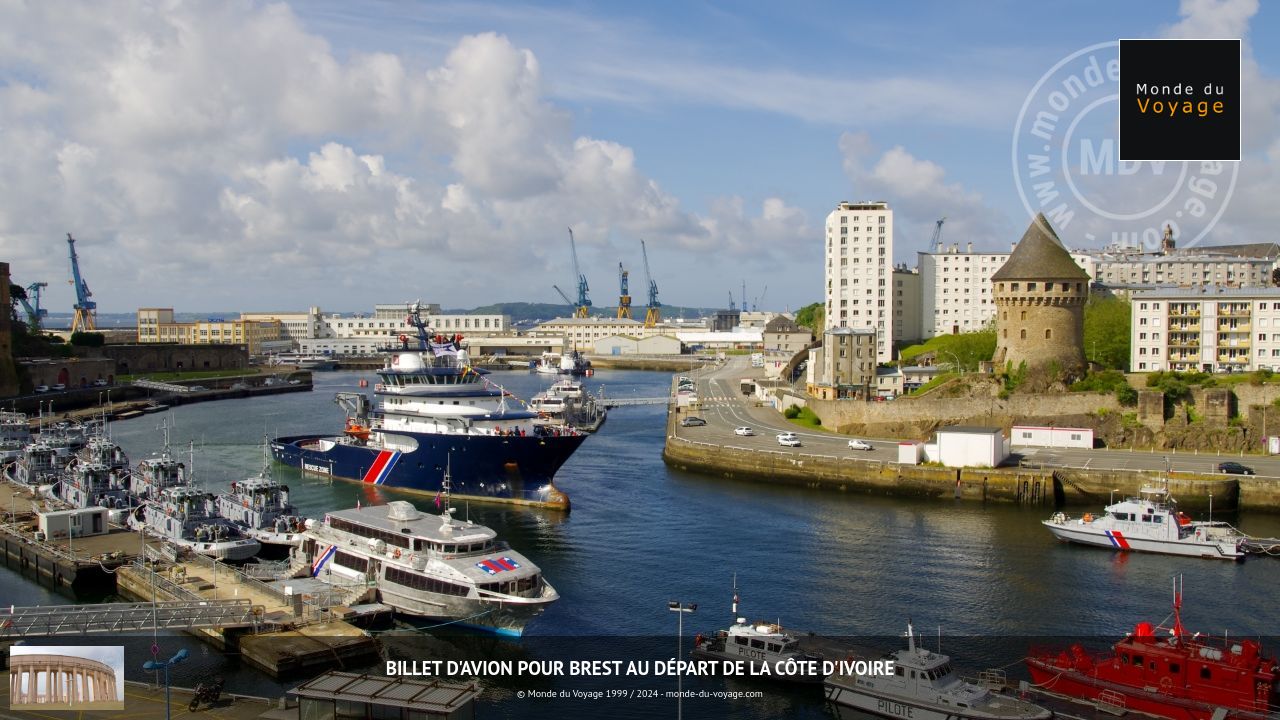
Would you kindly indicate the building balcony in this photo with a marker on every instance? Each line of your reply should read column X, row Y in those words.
column 1237, row 328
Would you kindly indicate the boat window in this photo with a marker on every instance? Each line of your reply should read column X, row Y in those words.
column 1152, row 665
column 1137, row 660
column 757, row 644
column 1158, row 519
column 1175, row 667
column 1146, row 518
column 1120, row 515
column 740, row 640
column 774, row 647
column 422, row 582
column 1205, row 672
column 358, row 564
column 897, row 670
column 913, row 674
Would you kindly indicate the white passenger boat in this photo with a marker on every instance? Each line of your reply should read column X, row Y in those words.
column 925, row 686
column 1150, row 522
column 430, row 566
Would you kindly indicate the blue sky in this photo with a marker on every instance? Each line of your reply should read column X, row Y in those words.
column 251, row 156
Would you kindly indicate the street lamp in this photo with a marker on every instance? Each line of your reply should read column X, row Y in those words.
column 955, row 357
column 165, row 665
column 680, row 609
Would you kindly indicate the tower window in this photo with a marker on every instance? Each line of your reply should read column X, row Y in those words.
column 1024, row 334
column 1048, row 334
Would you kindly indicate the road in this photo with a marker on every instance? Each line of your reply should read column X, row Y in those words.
column 724, row 407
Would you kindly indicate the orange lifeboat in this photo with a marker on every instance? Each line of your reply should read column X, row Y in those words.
column 356, row 430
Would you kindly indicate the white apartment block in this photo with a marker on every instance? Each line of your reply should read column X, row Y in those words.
column 859, row 269
column 1211, row 329
column 955, row 288
column 1184, row 270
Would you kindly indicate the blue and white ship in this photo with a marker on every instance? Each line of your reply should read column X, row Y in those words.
column 430, row 406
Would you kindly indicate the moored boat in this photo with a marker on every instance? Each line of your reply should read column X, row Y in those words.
column 260, row 508
column 1150, row 522
column 429, row 566
column 1166, row 672
column 430, row 404
column 180, row 515
column 925, row 686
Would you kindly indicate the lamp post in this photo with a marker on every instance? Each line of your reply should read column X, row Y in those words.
column 955, row 357
column 165, row 665
column 680, row 609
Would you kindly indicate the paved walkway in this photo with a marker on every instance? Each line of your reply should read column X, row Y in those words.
column 143, row 702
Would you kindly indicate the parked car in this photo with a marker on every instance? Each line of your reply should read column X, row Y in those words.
column 856, row 444
column 59, row 387
column 744, row 431
column 786, row 434
column 693, row 422
column 789, row 441
column 42, row 388
column 99, row 383
column 1235, row 468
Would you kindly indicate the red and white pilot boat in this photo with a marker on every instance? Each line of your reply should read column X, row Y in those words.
column 1166, row 672
column 1150, row 522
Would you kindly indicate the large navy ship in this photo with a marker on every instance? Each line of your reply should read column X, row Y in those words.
column 430, row 405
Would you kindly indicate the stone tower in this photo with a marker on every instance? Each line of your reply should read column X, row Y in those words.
column 1039, row 295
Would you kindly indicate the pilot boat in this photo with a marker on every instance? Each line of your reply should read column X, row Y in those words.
column 259, row 507
column 757, row 644
column 1167, row 672
column 925, row 686
column 1150, row 522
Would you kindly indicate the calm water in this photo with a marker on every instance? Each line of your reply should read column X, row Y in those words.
column 640, row 535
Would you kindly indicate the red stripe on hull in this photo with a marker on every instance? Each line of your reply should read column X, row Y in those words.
column 376, row 468
column 1124, row 544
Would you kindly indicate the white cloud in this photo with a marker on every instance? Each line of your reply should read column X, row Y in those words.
column 919, row 194
column 220, row 156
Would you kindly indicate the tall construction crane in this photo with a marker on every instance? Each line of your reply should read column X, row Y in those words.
column 567, row 301
column 755, row 304
column 937, row 234
column 624, row 295
column 652, row 313
column 584, row 300
column 31, row 304
column 732, row 307
column 86, row 317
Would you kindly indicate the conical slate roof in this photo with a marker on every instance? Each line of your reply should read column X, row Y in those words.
column 1040, row 256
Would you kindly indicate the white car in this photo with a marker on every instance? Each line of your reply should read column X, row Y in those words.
column 789, row 441
column 860, row 445
column 744, row 431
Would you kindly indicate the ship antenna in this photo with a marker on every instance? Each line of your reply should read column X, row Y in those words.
column 911, row 637
column 446, row 484
column 1178, row 630
column 735, row 594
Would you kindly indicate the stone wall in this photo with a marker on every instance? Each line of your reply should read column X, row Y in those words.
column 138, row 359
column 72, row 372
column 918, row 417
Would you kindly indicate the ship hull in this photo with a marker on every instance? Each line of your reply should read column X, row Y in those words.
column 1085, row 688
column 895, row 706
column 483, row 467
column 1129, row 542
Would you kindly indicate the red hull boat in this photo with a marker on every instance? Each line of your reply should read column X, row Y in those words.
column 1170, row 674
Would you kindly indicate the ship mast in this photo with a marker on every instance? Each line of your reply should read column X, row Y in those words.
column 1178, row 630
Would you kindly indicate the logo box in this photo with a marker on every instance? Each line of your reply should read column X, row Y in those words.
column 1179, row 100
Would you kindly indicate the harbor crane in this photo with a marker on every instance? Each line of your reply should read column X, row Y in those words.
column 624, row 295
column 755, row 304
column 86, row 317
column 584, row 300
column 652, row 313
column 937, row 234
column 31, row 304
column 567, row 301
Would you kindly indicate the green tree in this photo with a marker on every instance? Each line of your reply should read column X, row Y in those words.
column 966, row 349
column 812, row 316
column 88, row 339
column 1106, row 331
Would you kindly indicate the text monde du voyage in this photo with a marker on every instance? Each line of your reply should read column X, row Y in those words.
column 1177, row 100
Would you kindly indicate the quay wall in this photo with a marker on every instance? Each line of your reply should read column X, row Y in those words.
column 1030, row 486
column 918, row 417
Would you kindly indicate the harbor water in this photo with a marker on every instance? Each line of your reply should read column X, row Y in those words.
column 641, row 535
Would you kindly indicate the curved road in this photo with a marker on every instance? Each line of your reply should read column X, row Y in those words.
column 724, row 407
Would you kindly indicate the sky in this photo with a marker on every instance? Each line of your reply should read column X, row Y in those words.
column 242, row 155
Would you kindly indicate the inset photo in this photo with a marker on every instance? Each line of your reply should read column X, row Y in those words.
column 66, row 677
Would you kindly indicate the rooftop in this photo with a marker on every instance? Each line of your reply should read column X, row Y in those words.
column 435, row 696
column 1209, row 291
column 970, row 430
column 1040, row 254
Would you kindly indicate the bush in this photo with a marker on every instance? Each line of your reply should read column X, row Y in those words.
column 791, row 413
column 1260, row 376
column 1104, row 381
column 88, row 339
column 1126, row 395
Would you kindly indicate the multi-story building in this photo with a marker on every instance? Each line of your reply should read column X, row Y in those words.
column 955, row 287
column 1184, row 269
column 582, row 333
column 295, row 325
column 908, row 311
column 859, row 264
column 156, row 325
column 783, row 336
column 845, row 365
column 1210, row 329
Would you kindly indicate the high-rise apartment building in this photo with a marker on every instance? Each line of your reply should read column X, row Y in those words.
column 859, row 270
